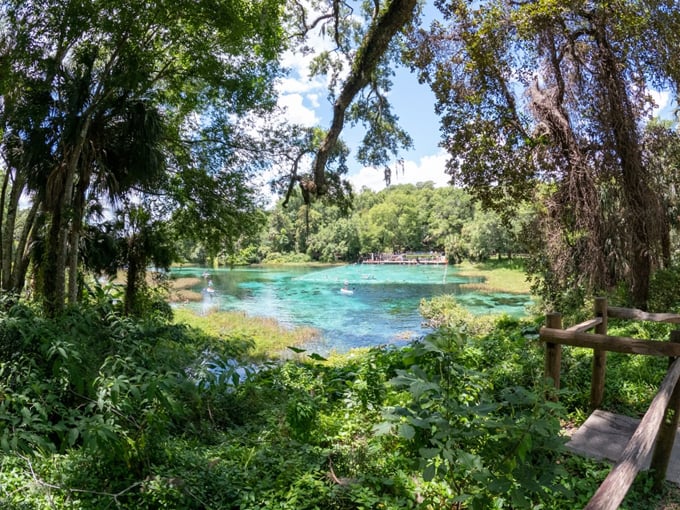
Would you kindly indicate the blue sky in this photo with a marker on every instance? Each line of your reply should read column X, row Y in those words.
column 306, row 103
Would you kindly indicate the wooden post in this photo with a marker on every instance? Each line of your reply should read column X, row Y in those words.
column 553, row 353
column 599, row 357
column 666, row 435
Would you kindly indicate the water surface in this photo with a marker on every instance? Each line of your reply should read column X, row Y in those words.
column 381, row 308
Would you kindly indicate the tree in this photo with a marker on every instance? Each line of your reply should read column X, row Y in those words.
column 335, row 241
column 544, row 92
column 450, row 209
column 358, row 94
column 487, row 234
column 85, row 75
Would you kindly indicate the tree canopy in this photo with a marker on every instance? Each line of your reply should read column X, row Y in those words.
column 403, row 218
column 559, row 93
column 108, row 101
column 171, row 106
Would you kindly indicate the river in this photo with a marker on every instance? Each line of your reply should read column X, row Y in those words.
column 378, row 306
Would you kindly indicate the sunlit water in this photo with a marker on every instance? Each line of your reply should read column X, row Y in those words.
column 382, row 307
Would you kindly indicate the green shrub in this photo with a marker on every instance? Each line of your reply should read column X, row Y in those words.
column 663, row 290
column 491, row 450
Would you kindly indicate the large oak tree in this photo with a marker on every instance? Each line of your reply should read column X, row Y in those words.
column 557, row 92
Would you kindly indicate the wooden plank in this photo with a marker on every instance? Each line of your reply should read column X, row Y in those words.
column 635, row 314
column 585, row 326
column 609, row 343
column 615, row 487
column 603, row 436
column 599, row 356
column 666, row 437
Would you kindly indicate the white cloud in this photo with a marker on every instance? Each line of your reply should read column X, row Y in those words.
column 298, row 94
column 662, row 100
column 429, row 168
column 296, row 111
column 314, row 99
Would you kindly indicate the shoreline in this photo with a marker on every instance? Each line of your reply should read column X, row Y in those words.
column 499, row 279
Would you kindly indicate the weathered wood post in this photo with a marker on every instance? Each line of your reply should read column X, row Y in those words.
column 666, row 436
column 599, row 357
column 553, row 353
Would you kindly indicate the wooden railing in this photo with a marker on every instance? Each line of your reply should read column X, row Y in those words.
column 656, row 432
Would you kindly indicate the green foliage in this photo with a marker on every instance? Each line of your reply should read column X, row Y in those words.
column 106, row 103
column 288, row 258
column 399, row 218
column 100, row 410
column 663, row 291
column 519, row 109
column 443, row 312
column 94, row 379
column 493, row 448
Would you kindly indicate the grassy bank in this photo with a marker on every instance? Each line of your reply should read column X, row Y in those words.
column 265, row 337
column 505, row 275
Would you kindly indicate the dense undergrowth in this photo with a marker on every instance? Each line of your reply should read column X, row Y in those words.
column 100, row 411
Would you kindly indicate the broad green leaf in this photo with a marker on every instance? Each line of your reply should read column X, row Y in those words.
column 429, row 472
column 406, row 431
column 429, row 453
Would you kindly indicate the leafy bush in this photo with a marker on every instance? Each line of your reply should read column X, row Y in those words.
column 663, row 290
column 443, row 312
column 286, row 258
column 489, row 449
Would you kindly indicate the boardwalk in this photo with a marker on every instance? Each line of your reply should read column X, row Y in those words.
column 604, row 436
column 406, row 259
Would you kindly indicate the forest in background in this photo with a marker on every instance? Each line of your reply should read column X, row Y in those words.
column 404, row 218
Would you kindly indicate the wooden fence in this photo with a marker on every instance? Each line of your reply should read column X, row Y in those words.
column 656, row 432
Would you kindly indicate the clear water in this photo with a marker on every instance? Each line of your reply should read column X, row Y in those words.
column 382, row 308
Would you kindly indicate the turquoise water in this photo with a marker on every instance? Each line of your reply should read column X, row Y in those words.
column 382, row 307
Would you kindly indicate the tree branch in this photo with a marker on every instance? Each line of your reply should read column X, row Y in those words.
column 373, row 47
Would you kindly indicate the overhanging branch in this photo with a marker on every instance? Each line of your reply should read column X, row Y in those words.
column 373, row 46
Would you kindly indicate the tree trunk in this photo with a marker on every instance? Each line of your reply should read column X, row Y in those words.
column 642, row 208
column 135, row 271
column 21, row 253
column 62, row 181
column 74, row 236
column 3, row 195
column 54, row 263
column 8, row 231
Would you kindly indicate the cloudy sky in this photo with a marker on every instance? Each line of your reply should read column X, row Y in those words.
column 306, row 103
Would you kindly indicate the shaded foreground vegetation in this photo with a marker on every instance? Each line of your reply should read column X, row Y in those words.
column 103, row 411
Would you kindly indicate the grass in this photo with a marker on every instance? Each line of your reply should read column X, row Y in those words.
column 505, row 275
column 180, row 290
column 268, row 337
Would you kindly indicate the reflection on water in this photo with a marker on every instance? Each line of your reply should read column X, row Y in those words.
column 379, row 304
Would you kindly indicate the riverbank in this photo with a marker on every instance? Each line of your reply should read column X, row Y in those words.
column 505, row 275
column 261, row 338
